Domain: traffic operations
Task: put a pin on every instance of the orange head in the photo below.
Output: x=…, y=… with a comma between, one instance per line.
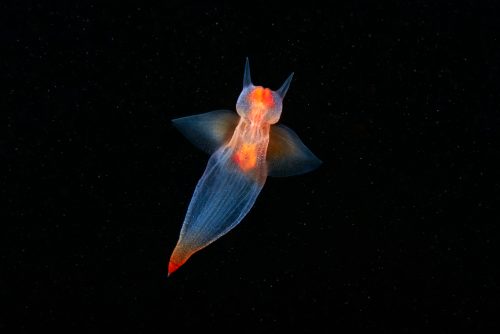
x=260, y=104
x=261, y=96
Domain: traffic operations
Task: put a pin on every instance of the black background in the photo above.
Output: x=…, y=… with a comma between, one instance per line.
x=395, y=231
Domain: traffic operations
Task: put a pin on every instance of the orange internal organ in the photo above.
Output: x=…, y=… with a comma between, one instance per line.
x=262, y=95
x=246, y=157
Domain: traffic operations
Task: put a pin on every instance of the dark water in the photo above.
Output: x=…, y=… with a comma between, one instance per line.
x=394, y=232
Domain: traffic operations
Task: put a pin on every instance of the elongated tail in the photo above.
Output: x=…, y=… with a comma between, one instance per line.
x=223, y=196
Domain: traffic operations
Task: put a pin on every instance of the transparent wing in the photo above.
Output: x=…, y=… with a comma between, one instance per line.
x=287, y=155
x=208, y=131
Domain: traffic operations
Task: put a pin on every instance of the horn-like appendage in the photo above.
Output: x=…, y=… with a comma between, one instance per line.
x=247, y=80
x=284, y=88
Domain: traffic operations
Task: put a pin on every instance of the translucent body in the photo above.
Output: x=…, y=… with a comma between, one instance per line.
x=224, y=194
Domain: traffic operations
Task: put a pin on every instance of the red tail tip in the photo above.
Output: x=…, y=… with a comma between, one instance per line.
x=172, y=267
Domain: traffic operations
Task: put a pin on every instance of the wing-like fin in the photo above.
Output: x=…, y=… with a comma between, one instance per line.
x=287, y=155
x=208, y=131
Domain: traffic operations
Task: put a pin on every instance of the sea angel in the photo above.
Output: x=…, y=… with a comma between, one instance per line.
x=245, y=148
